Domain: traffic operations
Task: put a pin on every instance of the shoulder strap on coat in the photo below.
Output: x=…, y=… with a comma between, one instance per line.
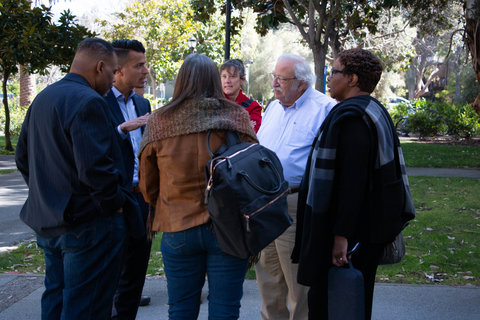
x=246, y=103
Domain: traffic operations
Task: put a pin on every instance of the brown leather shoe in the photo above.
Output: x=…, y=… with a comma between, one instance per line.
x=144, y=301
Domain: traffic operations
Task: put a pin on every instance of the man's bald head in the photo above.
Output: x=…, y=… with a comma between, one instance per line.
x=96, y=61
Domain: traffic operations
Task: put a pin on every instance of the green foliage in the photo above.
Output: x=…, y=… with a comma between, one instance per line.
x=400, y=111
x=461, y=120
x=428, y=15
x=162, y=26
x=429, y=118
x=321, y=23
x=29, y=38
x=17, y=115
x=426, y=120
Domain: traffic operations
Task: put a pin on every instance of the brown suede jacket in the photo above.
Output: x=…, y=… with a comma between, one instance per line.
x=172, y=175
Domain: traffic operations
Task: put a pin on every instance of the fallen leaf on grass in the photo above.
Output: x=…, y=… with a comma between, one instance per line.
x=434, y=267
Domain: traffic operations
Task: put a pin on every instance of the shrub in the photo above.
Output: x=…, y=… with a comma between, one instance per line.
x=17, y=115
x=400, y=111
x=426, y=123
x=440, y=118
x=462, y=121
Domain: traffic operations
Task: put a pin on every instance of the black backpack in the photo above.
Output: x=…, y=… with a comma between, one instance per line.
x=246, y=195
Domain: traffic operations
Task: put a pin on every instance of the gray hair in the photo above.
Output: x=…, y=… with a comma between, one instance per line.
x=302, y=70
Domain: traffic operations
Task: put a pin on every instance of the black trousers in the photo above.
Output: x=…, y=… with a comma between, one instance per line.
x=130, y=286
x=365, y=260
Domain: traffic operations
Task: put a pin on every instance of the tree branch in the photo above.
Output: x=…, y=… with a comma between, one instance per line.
x=295, y=20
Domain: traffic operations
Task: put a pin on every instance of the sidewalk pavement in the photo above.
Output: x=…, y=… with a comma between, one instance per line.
x=20, y=299
x=7, y=162
x=445, y=172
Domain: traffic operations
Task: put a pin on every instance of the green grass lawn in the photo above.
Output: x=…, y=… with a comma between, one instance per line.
x=5, y=171
x=440, y=155
x=443, y=241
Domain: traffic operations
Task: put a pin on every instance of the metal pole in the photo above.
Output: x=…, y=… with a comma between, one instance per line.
x=227, y=29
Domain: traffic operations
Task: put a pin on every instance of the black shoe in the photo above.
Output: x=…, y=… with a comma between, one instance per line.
x=144, y=301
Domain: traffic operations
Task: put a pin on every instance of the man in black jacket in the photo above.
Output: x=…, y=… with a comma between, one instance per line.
x=68, y=155
x=129, y=113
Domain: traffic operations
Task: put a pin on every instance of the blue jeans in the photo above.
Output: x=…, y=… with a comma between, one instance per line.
x=82, y=269
x=190, y=255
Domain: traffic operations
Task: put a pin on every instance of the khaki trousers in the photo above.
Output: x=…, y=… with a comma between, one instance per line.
x=282, y=297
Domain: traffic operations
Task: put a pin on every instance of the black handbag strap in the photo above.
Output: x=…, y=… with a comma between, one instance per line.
x=232, y=139
x=247, y=103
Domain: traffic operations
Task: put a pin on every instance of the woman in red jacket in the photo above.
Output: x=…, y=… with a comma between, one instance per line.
x=232, y=73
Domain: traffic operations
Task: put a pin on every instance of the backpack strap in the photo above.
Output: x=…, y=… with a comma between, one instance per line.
x=232, y=139
x=246, y=103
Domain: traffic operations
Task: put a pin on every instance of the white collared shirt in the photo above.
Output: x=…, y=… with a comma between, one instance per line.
x=129, y=113
x=290, y=131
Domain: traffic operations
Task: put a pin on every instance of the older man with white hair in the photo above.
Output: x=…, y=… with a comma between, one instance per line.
x=289, y=126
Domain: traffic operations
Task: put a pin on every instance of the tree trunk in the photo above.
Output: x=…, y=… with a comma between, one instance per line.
x=458, y=76
x=411, y=83
x=8, y=142
x=472, y=39
x=420, y=85
x=26, y=87
x=319, y=66
x=153, y=82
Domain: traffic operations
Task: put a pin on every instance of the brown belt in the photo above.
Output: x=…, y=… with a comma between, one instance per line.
x=135, y=189
x=293, y=189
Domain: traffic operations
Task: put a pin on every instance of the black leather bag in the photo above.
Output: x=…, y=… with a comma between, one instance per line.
x=394, y=251
x=346, y=295
x=246, y=195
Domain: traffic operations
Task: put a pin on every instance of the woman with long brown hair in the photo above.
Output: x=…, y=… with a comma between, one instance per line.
x=172, y=159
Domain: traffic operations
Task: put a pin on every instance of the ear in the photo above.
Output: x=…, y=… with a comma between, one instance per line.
x=100, y=65
x=302, y=85
x=353, y=81
x=119, y=70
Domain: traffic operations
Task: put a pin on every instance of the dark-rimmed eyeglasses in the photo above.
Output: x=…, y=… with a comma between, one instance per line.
x=280, y=79
x=333, y=71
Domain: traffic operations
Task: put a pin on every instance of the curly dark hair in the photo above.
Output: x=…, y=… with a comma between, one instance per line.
x=364, y=64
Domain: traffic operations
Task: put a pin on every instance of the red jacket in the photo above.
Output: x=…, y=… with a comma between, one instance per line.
x=254, y=110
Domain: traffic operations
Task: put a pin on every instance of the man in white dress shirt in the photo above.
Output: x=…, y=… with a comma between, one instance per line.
x=289, y=126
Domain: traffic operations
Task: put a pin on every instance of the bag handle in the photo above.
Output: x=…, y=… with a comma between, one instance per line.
x=232, y=139
x=268, y=162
